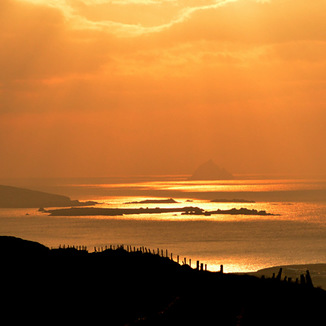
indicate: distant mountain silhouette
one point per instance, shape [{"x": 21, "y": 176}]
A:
[
  {"x": 210, "y": 171},
  {"x": 12, "y": 197}
]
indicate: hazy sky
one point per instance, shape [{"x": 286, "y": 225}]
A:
[{"x": 99, "y": 88}]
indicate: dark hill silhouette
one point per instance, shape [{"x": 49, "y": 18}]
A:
[
  {"x": 210, "y": 171},
  {"x": 13, "y": 197},
  {"x": 116, "y": 287},
  {"x": 12, "y": 246}
]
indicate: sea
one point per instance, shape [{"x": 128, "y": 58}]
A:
[{"x": 294, "y": 234}]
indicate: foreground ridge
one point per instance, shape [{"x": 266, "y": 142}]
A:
[{"x": 122, "y": 286}]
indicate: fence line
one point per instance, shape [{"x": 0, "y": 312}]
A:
[
  {"x": 144, "y": 250},
  {"x": 305, "y": 279}
]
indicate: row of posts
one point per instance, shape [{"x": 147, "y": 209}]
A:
[
  {"x": 304, "y": 279},
  {"x": 160, "y": 252},
  {"x": 72, "y": 247}
]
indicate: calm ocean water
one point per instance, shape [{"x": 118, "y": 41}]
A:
[{"x": 240, "y": 243}]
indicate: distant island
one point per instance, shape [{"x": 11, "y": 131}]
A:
[
  {"x": 13, "y": 197},
  {"x": 232, "y": 201},
  {"x": 93, "y": 211},
  {"x": 232, "y": 211},
  {"x": 210, "y": 171},
  {"x": 242, "y": 211},
  {"x": 154, "y": 201}
]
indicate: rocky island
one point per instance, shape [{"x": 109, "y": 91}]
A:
[{"x": 94, "y": 211}]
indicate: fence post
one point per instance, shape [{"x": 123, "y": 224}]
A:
[
  {"x": 308, "y": 279},
  {"x": 279, "y": 275},
  {"x": 197, "y": 267},
  {"x": 302, "y": 279},
  {"x": 178, "y": 259},
  {"x": 189, "y": 262},
  {"x": 221, "y": 269},
  {"x": 201, "y": 266}
]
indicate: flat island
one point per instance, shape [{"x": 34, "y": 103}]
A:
[
  {"x": 94, "y": 211},
  {"x": 154, "y": 201},
  {"x": 232, "y": 201}
]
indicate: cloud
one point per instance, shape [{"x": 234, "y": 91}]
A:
[
  {"x": 245, "y": 19},
  {"x": 226, "y": 53},
  {"x": 36, "y": 43},
  {"x": 182, "y": 10},
  {"x": 84, "y": 79}
]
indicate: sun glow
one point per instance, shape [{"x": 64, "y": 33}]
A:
[{"x": 172, "y": 83}]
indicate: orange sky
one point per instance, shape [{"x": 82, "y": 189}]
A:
[{"x": 99, "y": 88}]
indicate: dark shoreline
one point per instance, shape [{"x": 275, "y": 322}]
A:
[
  {"x": 119, "y": 287},
  {"x": 13, "y": 197}
]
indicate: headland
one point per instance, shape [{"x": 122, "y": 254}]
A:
[{"x": 13, "y": 197}]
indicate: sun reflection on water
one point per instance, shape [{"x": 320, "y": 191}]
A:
[
  {"x": 216, "y": 186},
  {"x": 242, "y": 243}
]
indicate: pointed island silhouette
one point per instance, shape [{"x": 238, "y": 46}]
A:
[{"x": 210, "y": 171}]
